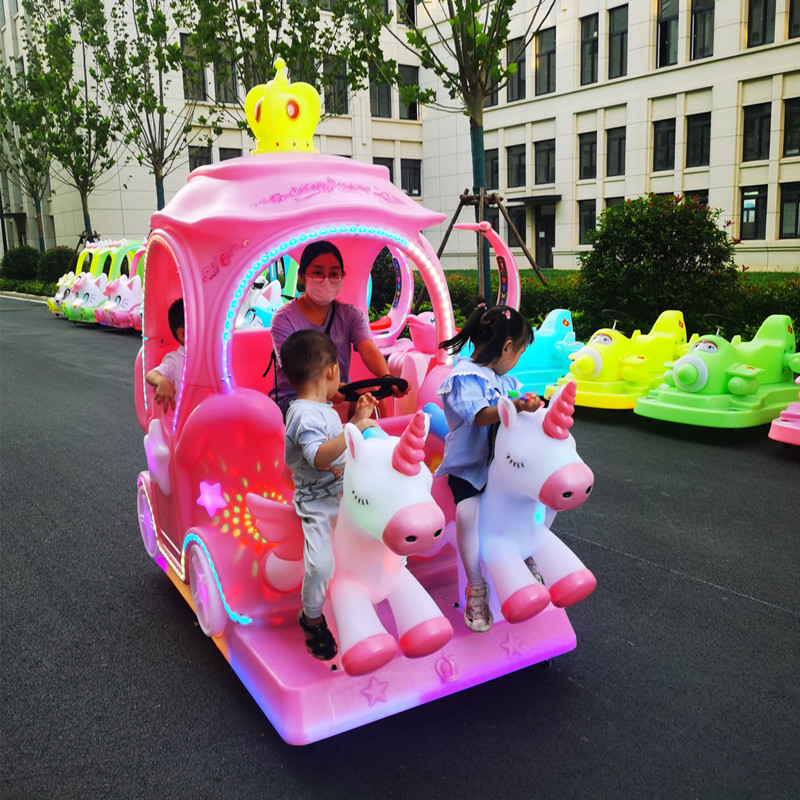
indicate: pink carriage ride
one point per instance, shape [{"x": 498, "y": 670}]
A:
[{"x": 214, "y": 502}]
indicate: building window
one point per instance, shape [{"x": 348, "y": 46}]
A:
[
  {"x": 406, "y": 12},
  {"x": 386, "y": 162},
  {"x": 519, "y": 218},
  {"x": 515, "y": 165},
  {"x": 492, "y": 95},
  {"x": 544, "y": 155},
  {"x": 615, "y": 151},
  {"x": 791, "y": 127},
  {"x": 754, "y": 212},
  {"x": 663, "y": 145},
  {"x": 225, "y": 82},
  {"x": 698, "y": 140},
  {"x": 411, "y": 176},
  {"x": 702, "y": 28},
  {"x": 790, "y": 211},
  {"x": 755, "y": 145},
  {"x": 492, "y": 168},
  {"x": 515, "y": 54},
  {"x": 409, "y": 77},
  {"x": 794, "y": 19},
  {"x": 700, "y": 195},
  {"x": 618, "y": 42},
  {"x": 194, "y": 76},
  {"x": 380, "y": 96},
  {"x": 587, "y": 155},
  {"x": 667, "y": 33},
  {"x": 198, "y": 157},
  {"x": 546, "y": 61},
  {"x": 227, "y": 153},
  {"x": 614, "y": 201},
  {"x": 336, "y": 90},
  {"x": 760, "y": 22},
  {"x": 492, "y": 216},
  {"x": 589, "y": 49},
  {"x": 587, "y": 217}
]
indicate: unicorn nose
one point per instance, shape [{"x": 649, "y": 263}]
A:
[
  {"x": 567, "y": 487},
  {"x": 414, "y": 529}
]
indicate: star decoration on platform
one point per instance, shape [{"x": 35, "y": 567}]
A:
[
  {"x": 375, "y": 691},
  {"x": 211, "y": 498},
  {"x": 513, "y": 645}
]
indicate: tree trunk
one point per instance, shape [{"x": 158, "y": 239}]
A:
[
  {"x": 479, "y": 183},
  {"x": 87, "y": 222},
  {"x": 37, "y": 202},
  {"x": 159, "y": 192}
]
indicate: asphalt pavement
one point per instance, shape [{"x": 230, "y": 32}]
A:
[{"x": 684, "y": 682}]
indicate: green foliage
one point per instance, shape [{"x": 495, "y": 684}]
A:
[
  {"x": 384, "y": 282},
  {"x": 20, "y": 263},
  {"x": 54, "y": 263},
  {"x": 655, "y": 253},
  {"x": 35, "y": 288},
  {"x": 754, "y": 300}
]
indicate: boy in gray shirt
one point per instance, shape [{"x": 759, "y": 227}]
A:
[{"x": 315, "y": 454}]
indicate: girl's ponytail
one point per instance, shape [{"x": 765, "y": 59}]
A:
[{"x": 488, "y": 330}]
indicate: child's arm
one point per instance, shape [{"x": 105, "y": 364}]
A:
[
  {"x": 490, "y": 415},
  {"x": 333, "y": 448},
  {"x": 165, "y": 391}
]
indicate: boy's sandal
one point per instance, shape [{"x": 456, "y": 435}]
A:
[{"x": 319, "y": 640}]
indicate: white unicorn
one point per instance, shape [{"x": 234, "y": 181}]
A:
[
  {"x": 387, "y": 513},
  {"x": 535, "y": 471}
]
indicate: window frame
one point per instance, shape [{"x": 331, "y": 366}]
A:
[
  {"x": 383, "y": 161},
  {"x": 545, "y": 71},
  {"x": 667, "y": 34},
  {"x": 491, "y": 163},
  {"x": 337, "y": 101},
  {"x": 518, "y": 214},
  {"x": 589, "y": 49},
  {"x": 791, "y": 127},
  {"x": 516, "y": 85},
  {"x": 585, "y": 206},
  {"x": 517, "y": 153},
  {"x": 702, "y": 35},
  {"x": 794, "y": 200},
  {"x": 760, "y": 195},
  {"x": 380, "y": 95},
  {"x": 756, "y": 123},
  {"x": 617, "y": 42},
  {"x": 763, "y": 12},
  {"x": 617, "y": 152},
  {"x": 410, "y": 76},
  {"x": 411, "y": 176},
  {"x": 544, "y": 161},
  {"x": 199, "y": 156},
  {"x": 196, "y": 81},
  {"x": 587, "y": 156},
  {"x": 698, "y": 125},
  {"x": 664, "y": 145}
]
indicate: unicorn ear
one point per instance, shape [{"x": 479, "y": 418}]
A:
[
  {"x": 353, "y": 440},
  {"x": 507, "y": 411}
]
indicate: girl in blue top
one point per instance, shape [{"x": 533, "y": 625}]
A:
[{"x": 469, "y": 395}]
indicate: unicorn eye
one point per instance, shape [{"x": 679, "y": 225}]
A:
[
  {"x": 515, "y": 464},
  {"x": 360, "y": 500}
]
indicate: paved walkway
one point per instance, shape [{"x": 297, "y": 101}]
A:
[{"x": 683, "y": 685}]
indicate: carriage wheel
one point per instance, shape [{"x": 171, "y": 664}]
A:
[
  {"x": 147, "y": 525},
  {"x": 206, "y": 599}
]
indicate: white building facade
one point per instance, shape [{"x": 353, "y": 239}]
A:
[{"x": 610, "y": 101}]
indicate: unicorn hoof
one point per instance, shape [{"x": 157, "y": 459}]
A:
[
  {"x": 572, "y": 588},
  {"x": 426, "y": 638},
  {"x": 369, "y": 654},
  {"x": 526, "y": 603}
]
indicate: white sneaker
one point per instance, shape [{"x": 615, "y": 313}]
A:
[{"x": 477, "y": 614}]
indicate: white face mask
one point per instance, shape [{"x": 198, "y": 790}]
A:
[{"x": 324, "y": 293}]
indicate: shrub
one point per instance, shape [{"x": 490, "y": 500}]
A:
[
  {"x": 56, "y": 262},
  {"x": 20, "y": 263},
  {"x": 655, "y": 253}
]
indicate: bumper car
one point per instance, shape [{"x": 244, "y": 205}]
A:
[
  {"x": 729, "y": 384},
  {"x": 611, "y": 371},
  {"x": 786, "y": 428}
]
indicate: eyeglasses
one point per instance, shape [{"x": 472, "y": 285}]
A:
[{"x": 320, "y": 277}]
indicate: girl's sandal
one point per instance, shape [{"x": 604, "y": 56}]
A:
[{"x": 319, "y": 640}]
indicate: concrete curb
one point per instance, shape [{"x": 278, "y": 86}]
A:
[{"x": 36, "y": 298}]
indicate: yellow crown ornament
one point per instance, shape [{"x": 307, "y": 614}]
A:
[{"x": 283, "y": 118}]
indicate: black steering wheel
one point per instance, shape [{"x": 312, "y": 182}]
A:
[
  {"x": 378, "y": 387},
  {"x": 617, "y": 316}
]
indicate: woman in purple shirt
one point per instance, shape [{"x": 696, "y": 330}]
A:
[{"x": 321, "y": 271}]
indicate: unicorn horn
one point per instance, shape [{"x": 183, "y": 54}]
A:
[
  {"x": 408, "y": 452},
  {"x": 558, "y": 417}
]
